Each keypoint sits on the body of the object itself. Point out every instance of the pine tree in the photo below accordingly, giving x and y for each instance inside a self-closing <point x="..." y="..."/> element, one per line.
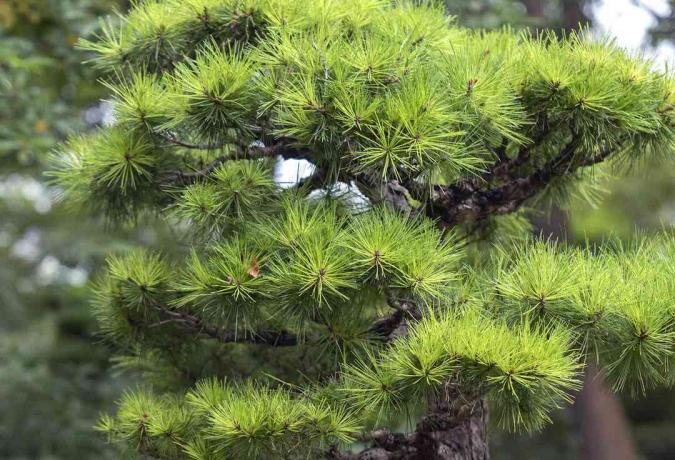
<point x="379" y="307"/>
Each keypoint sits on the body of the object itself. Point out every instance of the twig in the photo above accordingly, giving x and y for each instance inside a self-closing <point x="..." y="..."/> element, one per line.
<point x="174" y="140"/>
<point x="192" y="322"/>
<point x="242" y="152"/>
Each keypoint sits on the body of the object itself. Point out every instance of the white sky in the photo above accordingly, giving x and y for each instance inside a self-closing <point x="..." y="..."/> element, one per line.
<point x="628" y="24"/>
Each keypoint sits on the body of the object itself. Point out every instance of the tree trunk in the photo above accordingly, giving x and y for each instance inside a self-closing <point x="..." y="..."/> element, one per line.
<point x="453" y="432"/>
<point x="455" y="428"/>
<point x="573" y="14"/>
<point x="534" y="8"/>
<point x="605" y="430"/>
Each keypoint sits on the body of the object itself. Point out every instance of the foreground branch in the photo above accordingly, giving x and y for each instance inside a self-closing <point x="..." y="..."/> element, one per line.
<point x="284" y="148"/>
<point x="172" y="139"/>
<point x="197" y="325"/>
<point x="396" y="324"/>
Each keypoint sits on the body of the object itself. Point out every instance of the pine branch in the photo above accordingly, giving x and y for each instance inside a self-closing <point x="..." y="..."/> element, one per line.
<point x="172" y="139"/>
<point x="241" y="152"/>
<point x="196" y="324"/>
<point x="383" y="442"/>
<point x="463" y="204"/>
<point x="505" y="167"/>
<point x="316" y="180"/>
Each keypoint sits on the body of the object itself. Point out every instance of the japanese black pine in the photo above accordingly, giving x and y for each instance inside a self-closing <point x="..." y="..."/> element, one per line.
<point x="381" y="305"/>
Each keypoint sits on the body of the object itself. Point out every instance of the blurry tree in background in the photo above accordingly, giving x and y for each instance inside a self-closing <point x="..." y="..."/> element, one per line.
<point x="632" y="204"/>
<point x="553" y="14"/>
<point x="641" y="201"/>
<point x="664" y="28"/>
<point x="53" y="379"/>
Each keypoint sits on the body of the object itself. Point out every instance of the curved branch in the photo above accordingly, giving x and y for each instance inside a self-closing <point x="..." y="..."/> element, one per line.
<point x="505" y="166"/>
<point x="172" y="139"/>
<point x="462" y="203"/>
<point x="395" y="325"/>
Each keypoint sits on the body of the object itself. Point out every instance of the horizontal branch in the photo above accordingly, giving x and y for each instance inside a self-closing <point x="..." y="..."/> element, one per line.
<point x="241" y="152"/>
<point x="383" y="443"/>
<point x="172" y="139"/>
<point x="196" y="324"/>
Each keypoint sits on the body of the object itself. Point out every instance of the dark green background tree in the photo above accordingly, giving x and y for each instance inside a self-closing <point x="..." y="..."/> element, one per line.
<point x="54" y="371"/>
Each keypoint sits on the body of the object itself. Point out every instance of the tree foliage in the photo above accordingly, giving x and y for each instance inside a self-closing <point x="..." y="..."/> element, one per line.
<point x="301" y="318"/>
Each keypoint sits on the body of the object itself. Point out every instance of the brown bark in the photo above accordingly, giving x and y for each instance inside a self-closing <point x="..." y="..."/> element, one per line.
<point x="455" y="428"/>
<point x="468" y="202"/>
<point x="195" y="324"/>
<point x="573" y="14"/>
<point x="534" y="8"/>
<point x="454" y="432"/>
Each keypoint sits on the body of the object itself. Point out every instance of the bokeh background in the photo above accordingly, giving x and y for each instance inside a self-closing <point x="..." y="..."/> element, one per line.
<point x="56" y="376"/>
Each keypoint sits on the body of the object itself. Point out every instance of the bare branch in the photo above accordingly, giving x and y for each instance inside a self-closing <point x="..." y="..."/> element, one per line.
<point x="172" y="139"/>
<point x="395" y="325"/>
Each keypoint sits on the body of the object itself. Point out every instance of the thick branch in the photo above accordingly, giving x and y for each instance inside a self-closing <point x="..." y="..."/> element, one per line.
<point x="506" y="167"/>
<point x="396" y="324"/>
<point x="455" y="428"/>
<point x="463" y="203"/>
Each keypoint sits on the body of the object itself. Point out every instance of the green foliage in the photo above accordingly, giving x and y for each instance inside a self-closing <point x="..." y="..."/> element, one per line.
<point x="242" y="421"/>
<point x="616" y="302"/>
<point x="525" y="373"/>
<point x="371" y="295"/>
<point x="305" y="267"/>
<point x="236" y="191"/>
<point x="437" y="112"/>
<point x="114" y="165"/>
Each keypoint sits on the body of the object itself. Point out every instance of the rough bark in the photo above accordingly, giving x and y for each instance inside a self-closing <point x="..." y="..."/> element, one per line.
<point x="455" y="428"/>
<point x="468" y="202"/>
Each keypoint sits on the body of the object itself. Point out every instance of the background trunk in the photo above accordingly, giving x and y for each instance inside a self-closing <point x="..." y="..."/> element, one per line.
<point x="534" y="8"/>
<point x="604" y="429"/>
<point x="573" y="14"/>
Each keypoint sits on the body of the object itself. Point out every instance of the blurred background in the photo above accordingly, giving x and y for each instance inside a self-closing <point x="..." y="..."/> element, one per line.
<point x="56" y="375"/>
